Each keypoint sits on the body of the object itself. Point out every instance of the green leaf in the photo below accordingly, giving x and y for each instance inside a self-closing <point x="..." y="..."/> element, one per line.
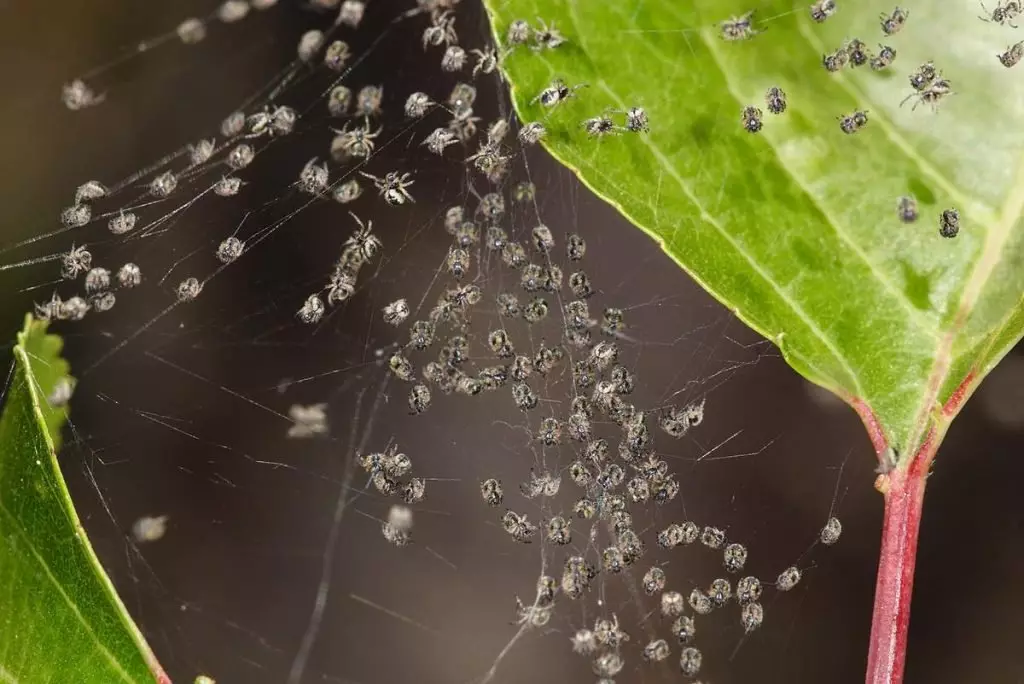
<point x="795" y="228"/>
<point x="60" y="619"/>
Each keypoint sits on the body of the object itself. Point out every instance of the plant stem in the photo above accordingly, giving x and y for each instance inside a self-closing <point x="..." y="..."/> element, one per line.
<point x="904" y="496"/>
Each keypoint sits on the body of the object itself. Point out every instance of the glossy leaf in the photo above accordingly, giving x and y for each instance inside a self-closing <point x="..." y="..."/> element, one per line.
<point x="60" y="619"/>
<point x="795" y="228"/>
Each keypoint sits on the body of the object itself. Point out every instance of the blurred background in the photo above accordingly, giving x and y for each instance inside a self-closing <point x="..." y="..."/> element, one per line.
<point x="187" y="418"/>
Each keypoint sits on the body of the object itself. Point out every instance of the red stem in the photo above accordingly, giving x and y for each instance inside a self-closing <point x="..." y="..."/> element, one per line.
<point x="904" y="496"/>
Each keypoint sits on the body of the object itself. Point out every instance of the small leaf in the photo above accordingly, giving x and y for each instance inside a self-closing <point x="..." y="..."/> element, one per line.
<point x="795" y="228"/>
<point x="60" y="619"/>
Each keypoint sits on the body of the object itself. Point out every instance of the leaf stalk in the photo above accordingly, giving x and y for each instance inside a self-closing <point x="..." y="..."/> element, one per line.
<point x="903" y="489"/>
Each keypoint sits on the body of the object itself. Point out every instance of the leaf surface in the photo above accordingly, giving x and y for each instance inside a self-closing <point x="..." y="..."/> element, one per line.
<point x="795" y="228"/>
<point x="60" y="619"/>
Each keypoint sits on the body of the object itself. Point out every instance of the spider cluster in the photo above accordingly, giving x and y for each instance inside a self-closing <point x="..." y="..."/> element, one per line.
<point x="752" y="118"/>
<point x="855" y="53"/>
<point x="949" y="219"/>
<point x="635" y="120"/>
<point x="929" y="86"/>
<point x="853" y="122"/>
<point x="614" y="475"/>
<point x="550" y="329"/>
<point x="388" y="471"/>
<point x="358" y="249"/>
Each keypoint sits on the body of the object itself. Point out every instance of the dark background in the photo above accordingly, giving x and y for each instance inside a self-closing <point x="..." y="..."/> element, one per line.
<point x="230" y="589"/>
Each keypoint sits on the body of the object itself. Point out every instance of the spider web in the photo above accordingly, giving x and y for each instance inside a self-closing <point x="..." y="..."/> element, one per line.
<point x="273" y="567"/>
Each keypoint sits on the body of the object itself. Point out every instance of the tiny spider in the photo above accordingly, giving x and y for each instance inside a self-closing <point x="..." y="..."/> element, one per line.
<point x="419" y="399"/>
<point x="923" y="77"/>
<point x="831" y="531"/>
<point x="852" y="123"/>
<point x="892" y="23"/>
<point x="368" y="100"/>
<point x="309" y="45"/>
<point x="454" y="59"/>
<point x="417" y="104"/>
<point x="163" y="185"/>
<point x="393" y="186"/>
<point x="441" y="31"/>
<point x="1004" y="13"/>
<point x="949" y="223"/>
<point x="1012" y="56"/>
<point x="229" y="250"/>
<point x="258" y="123"/>
<point x="518" y="32"/>
<point x="341" y="287"/>
<point x="486" y="61"/>
<point x="600" y="126"/>
<point x="339" y="99"/>
<point x="439" y="139"/>
<point x="233" y="124"/>
<point x="751" y="617"/>
<point x="313" y="177"/>
<point x="488" y="158"/>
<point x="282" y="120"/>
<point x="351" y="13"/>
<point x="357" y="142"/>
<point x="751" y="119"/>
<point x="822" y="10"/>
<point x="78" y="95"/>
<point x="531" y="133"/>
<point x="932" y="94"/>
<point x="547" y="36"/>
<point x="788" y="579"/>
<point x="690" y="661"/>
<point x="636" y="120"/>
<point x="77" y="260"/>
<point x="76" y="216"/>
<point x="557" y="93"/>
<point x="775" y="99"/>
<point x="312" y="310"/>
<point x="906" y="209"/>
<point x="885" y="57"/>
<point x="835" y="61"/>
<point x="738" y="28"/>
<point x="857" y="52"/>
<point x="363" y="239"/>
<point x="337" y="55"/>
<point x="240" y="156"/>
